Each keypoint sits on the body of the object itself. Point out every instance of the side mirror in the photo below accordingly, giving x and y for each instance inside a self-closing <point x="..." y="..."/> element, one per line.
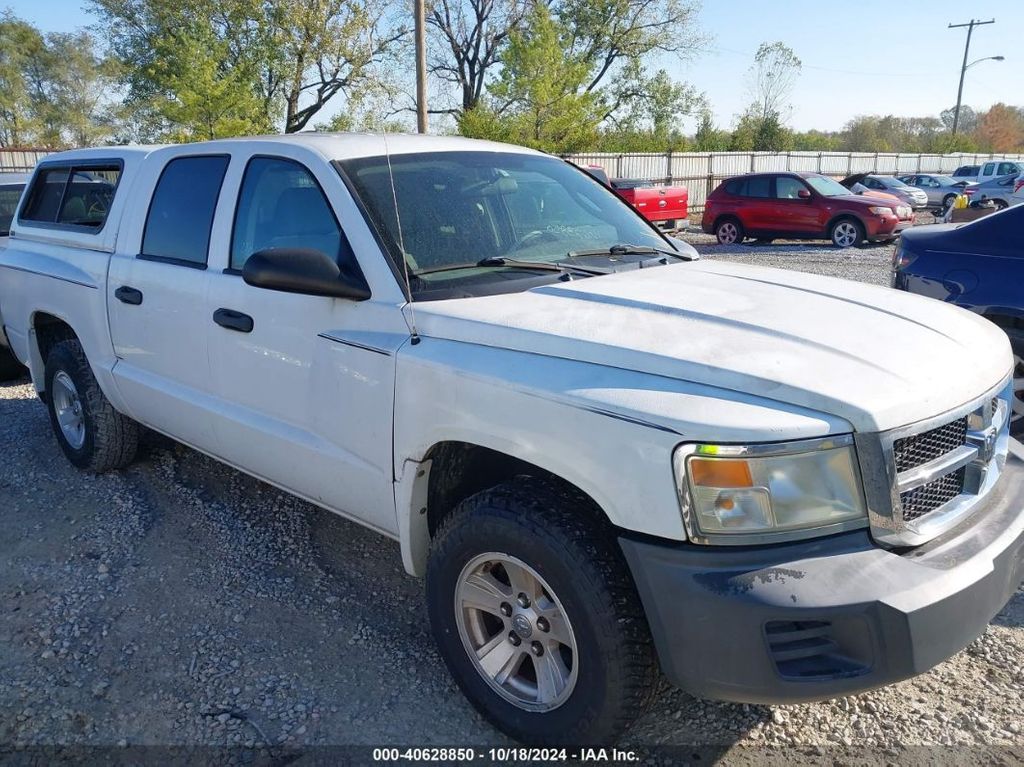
<point x="302" y="270"/>
<point x="803" y="194"/>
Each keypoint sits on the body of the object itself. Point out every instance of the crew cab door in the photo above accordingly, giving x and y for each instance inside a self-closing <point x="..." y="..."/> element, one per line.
<point x="307" y="382"/>
<point x="157" y="286"/>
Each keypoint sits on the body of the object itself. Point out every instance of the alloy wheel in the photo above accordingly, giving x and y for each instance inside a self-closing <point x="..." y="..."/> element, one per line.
<point x="727" y="233"/>
<point x="68" y="407"/>
<point x="516" y="632"/>
<point x="845" y="234"/>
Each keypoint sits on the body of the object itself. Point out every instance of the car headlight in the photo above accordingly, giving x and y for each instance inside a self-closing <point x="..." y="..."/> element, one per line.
<point x="880" y="210"/>
<point x="744" y="494"/>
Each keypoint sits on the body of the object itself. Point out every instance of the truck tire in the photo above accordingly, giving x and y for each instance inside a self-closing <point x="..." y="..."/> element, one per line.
<point x="537" y="617"/>
<point x="846" y="232"/>
<point x="10" y="368"/>
<point x="93" y="436"/>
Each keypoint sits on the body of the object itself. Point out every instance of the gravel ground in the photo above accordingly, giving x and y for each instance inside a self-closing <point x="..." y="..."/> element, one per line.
<point x="181" y="602"/>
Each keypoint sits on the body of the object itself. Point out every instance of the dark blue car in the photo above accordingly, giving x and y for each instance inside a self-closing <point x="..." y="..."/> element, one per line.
<point x="979" y="266"/>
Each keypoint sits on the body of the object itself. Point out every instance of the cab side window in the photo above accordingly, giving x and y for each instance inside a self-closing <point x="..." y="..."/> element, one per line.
<point x="281" y="205"/>
<point x="181" y="213"/>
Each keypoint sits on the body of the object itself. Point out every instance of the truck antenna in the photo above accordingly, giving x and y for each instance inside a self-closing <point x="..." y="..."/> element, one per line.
<point x="401" y="242"/>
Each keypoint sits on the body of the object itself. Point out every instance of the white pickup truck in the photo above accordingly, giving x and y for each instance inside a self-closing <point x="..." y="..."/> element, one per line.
<point x="605" y="456"/>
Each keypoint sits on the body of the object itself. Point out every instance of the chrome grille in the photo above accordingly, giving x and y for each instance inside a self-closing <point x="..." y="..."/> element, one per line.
<point x="921" y="500"/>
<point x="938" y="469"/>
<point x="917" y="449"/>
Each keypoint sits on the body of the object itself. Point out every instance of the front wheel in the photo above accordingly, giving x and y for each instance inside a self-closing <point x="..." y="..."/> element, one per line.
<point x="846" y="233"/>
<point x="537" y="618"/>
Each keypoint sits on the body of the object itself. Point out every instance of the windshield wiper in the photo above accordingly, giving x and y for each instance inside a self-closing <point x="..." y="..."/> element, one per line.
<point x="501" y="261"/>
<point x="627" y="250"/>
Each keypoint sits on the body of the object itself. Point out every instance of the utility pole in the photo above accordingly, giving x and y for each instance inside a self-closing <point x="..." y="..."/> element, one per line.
<point x="421" y="66"/>
<point x="963" y="69"/>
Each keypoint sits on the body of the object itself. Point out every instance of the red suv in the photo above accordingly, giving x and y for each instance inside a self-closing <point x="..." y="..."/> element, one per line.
<point x="801" y="206"/>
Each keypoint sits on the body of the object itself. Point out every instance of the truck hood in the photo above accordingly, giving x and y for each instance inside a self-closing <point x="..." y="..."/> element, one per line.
<point x="875" y="357"/>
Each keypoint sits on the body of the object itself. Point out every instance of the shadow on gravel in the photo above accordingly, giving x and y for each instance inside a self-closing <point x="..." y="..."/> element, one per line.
<point x="1012" y="615"/>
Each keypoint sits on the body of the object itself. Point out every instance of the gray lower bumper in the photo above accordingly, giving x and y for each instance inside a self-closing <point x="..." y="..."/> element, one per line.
<point x="829" y="617"/>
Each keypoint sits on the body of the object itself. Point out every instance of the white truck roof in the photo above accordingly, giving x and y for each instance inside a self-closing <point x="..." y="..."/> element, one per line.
<point x="332" y="146"/>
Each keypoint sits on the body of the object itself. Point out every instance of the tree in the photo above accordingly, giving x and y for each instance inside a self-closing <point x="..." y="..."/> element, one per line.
<point x="281" y="59"/>
<point x="55" y="90"/>
<point x="538" y="100"/>
<point x="1001" y="129"/>
<point x="613" y="39"/>
<point x="708" y="138"/>
<point x="18" y="41"/>
<point x="968" y="119"/>
<point x="468" y="37"/>
<point x="772" y="77"/>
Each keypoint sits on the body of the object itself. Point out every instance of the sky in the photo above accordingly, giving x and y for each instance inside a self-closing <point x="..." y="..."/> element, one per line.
<point x="863" y="57"/>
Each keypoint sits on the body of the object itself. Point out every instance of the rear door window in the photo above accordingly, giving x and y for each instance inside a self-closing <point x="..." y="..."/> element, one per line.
<point x="181" y="213"/>
<point x="72" y="196"/>
<point x="758" y="186"/>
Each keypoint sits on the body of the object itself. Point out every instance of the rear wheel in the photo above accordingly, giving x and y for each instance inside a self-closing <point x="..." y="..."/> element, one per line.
<point x="947" y="201"/>
<point x="846" y="233"/>
<point x="93" y="435"/>
<point x="729" y="231"/>
<point x="537" y="618"/>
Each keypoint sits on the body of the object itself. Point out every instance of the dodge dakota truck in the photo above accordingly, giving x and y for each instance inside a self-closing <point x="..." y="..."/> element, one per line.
<point x="608" y="459"/>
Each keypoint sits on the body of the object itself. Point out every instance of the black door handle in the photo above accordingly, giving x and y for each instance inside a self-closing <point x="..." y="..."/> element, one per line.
<point x="127" y="295"/>
<point x="232" y="320"/>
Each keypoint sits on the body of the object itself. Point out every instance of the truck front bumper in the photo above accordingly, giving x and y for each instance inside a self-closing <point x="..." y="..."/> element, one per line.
<point x="828" y="617"/>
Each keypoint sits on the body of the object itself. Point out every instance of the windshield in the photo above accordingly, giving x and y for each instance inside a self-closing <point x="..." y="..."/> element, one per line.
<point x="892" y="183"/>
<point x="827" y="186"/>
<point x="9" y="196"/>
<point x="459" y="208"/>
<point x="945" y="180"/>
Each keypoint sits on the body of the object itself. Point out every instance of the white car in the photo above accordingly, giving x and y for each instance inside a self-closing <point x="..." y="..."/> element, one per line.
<point x="605" y="456"/>
<point x="1018" y="190"/>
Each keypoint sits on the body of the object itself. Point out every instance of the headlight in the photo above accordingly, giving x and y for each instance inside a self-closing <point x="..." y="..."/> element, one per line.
<point x="733" y="494"/>
<point x="882" y="211"/>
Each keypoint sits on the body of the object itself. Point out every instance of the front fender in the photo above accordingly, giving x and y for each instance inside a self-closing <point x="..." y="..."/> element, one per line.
<point x="610" y="432"/>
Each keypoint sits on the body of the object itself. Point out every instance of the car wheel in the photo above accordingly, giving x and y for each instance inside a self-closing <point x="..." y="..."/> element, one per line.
<point x="537" y="618"/>
<point x="729" y="231"/>
<point x="10" y="368"/>
<point x="846" y="232"/>
<point x="948" y="200"/>
<point x="93" y="435"/>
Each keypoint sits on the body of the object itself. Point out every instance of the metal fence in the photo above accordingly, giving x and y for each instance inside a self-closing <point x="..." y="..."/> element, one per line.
<point x="701" y="172"/>
<point x="20" y="160"/>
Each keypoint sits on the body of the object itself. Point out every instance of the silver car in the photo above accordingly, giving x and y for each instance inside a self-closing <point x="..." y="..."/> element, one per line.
<point x="941" y="190"/>
<point x="865" y="183"/>
<point x="999" y="190"/>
